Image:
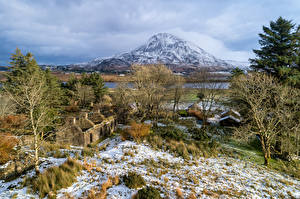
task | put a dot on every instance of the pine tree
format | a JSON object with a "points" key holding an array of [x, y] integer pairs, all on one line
{"points": [[278, 54], [96, 82]]}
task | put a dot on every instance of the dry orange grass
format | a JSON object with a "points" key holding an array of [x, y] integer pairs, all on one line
{"points": [[179, 193], [106, 185], [13, 121], [115, 180], [192, 196], [7, 143], [196, 113], [101, 194], [136, 131]]}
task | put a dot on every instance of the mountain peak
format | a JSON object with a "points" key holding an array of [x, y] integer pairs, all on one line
{"points": [[163, 48], [167, 37]]}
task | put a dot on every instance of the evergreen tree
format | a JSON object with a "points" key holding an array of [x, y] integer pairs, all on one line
{"points": [[278, 54], [96, 82], [55, 96], [236, 72]]}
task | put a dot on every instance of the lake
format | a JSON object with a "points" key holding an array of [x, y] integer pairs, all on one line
{"points": [[210, 85]]}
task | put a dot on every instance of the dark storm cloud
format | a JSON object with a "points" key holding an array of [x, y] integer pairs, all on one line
{"points": [[69, 31]]}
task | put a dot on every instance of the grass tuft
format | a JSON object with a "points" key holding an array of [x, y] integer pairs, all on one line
{"points": [[134, 180], [55, 178]]}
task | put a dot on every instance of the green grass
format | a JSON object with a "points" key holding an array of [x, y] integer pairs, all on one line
{"points": [[255, 155]]}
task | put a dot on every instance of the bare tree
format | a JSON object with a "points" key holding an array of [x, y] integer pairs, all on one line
{"points": [[207, 92], [150, 86], [178, 83], [122, 102], [27, 88], [84, 94], [265, 103], [31, 98], [288, 139]]}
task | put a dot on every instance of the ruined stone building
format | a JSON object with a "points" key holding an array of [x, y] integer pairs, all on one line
{"points": [[86, 129]]}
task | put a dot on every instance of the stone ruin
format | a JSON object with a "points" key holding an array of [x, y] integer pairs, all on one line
{"points": [[86, 129]]}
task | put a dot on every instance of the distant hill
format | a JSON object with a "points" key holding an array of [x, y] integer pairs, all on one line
{"points": [[3, 68]]}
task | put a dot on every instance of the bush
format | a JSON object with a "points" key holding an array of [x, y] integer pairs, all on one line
{"points": [[183, 113], [179, 148], [170, 132], [59, 154], [56, 178], [87, 151], [199, 134], [148, 192], [134, 180], [7, 143], [196, 114], [156, 141], [136, 131], [13, 121]]}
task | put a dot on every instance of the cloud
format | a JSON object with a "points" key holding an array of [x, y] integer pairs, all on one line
{"points": [[79, 30]]}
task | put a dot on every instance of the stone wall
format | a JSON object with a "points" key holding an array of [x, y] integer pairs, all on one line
{"points": [[74, 135], [16, 167]]}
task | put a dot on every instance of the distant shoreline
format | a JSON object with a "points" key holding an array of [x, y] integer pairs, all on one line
{"points": [[62, 76]]}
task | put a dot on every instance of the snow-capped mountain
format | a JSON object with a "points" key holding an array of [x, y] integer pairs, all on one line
{"points": [[161, 48]]}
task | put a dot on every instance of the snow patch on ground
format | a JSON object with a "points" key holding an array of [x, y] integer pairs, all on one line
{"points": [[205, 177]]}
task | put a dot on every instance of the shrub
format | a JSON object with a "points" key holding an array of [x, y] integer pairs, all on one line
{"points": [[196, 114], [134, 180], [136, 131], [179, 148], [7, 143], [56, 178], [148, 192], [170, 132], [59, 154], [96, 193], [13, 121], [156, 141], [87, 151], [183, 113], [199, 134]]}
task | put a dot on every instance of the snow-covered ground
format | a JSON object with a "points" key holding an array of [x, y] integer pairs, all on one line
{"points": [[205, 177]]}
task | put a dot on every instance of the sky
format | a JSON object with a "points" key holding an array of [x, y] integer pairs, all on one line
{"points": [[74, 31]]}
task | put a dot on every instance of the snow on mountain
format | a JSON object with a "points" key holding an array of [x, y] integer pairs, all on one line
{"points": [[166, 49]]}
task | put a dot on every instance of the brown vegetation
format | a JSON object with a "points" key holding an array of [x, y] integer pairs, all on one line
{"points": [[179, 193], [196, 113], [55, 178], [101, 193], [13, 121], [7, 143], [136, 131]]}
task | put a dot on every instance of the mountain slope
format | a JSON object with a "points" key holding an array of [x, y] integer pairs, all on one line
{"points": [[162, 48]]}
